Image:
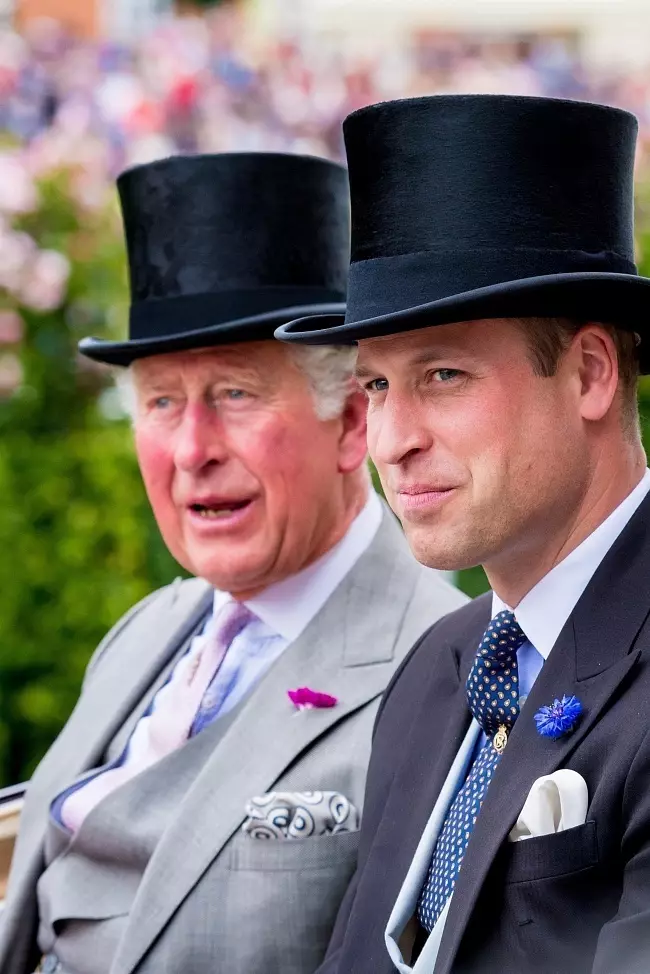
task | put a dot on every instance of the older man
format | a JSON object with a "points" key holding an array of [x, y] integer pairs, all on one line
{"points": [[199, 812], [501, 325]]}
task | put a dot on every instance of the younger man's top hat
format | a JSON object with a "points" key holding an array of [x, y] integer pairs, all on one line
{"points": [[224, 248], [467, 207]]}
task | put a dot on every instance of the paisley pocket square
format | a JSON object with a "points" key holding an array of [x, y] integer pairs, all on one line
{"points": [[296, 814], [555, 803]]}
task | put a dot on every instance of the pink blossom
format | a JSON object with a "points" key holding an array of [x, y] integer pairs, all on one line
{"points": [[17, 251], [18, 193], [44, 287], [306, 699], [11, 327]]}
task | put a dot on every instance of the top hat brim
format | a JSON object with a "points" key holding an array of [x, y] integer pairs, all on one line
{"points": [[622, 299], [257, 327]]}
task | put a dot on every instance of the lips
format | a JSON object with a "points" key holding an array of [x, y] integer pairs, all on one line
{"points": [[422, 499], [414, 491], [217, 508]]}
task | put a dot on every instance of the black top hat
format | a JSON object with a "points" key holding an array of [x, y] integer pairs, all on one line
{"points": [[486, 206], [223, 248]]}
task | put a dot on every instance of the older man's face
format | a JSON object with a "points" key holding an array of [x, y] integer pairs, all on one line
{"points": [[246, 483], [479, 457]]}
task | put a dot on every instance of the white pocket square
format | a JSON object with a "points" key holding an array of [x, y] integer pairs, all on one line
{"points": [[296, 814], [555, 803]]}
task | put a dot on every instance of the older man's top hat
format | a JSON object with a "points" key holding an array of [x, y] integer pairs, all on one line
{"points": [[224, 248], [467, 207]]}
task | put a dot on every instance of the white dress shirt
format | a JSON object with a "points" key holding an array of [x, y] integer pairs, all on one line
{"points": [[543, 612]]}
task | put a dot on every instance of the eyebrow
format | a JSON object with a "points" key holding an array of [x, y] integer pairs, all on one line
{"points": [[151, 387], [426, 357], [361, 373]]}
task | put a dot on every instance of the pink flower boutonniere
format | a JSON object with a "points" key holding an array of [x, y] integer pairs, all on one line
{"points": [[306, 699]]}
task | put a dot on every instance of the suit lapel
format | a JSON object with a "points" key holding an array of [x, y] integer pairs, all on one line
{"points": [[345, 651], [592, 658], [118, 686], [425, 757]]}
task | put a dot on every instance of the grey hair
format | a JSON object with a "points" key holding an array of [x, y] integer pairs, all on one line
{"points": [[126, 390], [329, 370]]}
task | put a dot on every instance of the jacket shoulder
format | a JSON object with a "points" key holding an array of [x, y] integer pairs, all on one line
{"points": [[433, 597], [180, 591], [442, 644], [419, 596], [465, 625]]}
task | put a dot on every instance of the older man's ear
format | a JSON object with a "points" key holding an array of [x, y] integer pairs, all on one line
{"points": [[353, 445]]}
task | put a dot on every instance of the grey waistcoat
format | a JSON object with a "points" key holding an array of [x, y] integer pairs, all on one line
{"points": [[87, 890]]}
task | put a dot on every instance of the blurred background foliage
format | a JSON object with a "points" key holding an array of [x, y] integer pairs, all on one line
{"points": [[78, 540], [79, 544]]}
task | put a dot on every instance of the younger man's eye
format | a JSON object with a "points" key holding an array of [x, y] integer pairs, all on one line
{"points": [[445, 375]]}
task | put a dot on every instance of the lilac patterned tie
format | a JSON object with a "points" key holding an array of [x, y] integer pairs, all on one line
{"points": [[493, 698], [183, 707], [232, 620]]}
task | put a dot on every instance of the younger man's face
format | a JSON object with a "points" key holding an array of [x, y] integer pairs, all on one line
{"points": [[478, 456]]}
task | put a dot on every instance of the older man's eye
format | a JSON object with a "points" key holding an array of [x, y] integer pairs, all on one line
{"points": [[377, 385], [162, 402], [219, 397]]}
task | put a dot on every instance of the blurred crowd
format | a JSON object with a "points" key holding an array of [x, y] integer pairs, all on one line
{"points": [[220, 83], [213, 84]]}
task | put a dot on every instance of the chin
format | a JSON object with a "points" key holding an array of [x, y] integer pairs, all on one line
{"points": [[443, 556], [442, 562], [229, 573]]}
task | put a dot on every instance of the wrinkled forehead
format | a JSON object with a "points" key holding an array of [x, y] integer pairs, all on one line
{"points": [[255, 360]]}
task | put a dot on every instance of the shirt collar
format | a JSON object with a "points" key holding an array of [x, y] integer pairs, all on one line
{"points": [[287, 607], [543, 612]]}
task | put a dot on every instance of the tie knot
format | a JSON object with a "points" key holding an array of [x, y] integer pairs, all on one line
{"points": [[493, 682], [502, 638]]}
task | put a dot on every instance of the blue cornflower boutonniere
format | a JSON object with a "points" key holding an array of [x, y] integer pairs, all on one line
{"points": [[560, 718]]}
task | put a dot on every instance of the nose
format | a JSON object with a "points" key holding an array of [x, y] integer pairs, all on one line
{"points": [[397, 431], [199, 440]]}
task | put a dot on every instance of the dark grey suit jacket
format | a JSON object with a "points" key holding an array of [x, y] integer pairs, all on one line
{"points": [[213, 899], [577, 901]]}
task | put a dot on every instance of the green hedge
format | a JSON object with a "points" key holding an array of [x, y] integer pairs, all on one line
{"points": [[78, 541]]}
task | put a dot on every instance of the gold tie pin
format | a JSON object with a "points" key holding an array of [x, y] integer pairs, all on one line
{"points": [[500, 739]]}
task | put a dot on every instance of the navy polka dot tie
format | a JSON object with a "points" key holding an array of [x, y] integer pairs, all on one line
{"points": [[493, 697]]}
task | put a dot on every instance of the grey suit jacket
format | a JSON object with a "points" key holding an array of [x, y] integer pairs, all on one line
{"points": [[213, 899]]}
